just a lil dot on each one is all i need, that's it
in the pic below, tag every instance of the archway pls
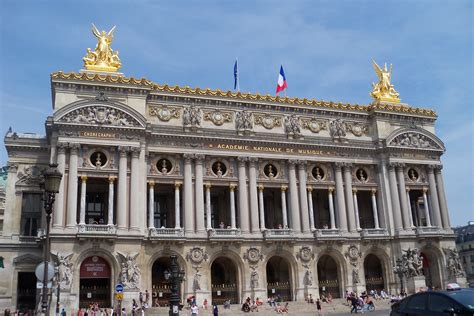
(431, 270)
(328, 277)
(373, 273)
(279, 278)
(160, 287)
(94, 286)
(224, 281)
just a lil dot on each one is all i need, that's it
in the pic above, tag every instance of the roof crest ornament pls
(102, 58)
(384, 90)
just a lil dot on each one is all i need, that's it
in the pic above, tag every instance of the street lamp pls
(175, 277)
(52, 181)
(400, 270)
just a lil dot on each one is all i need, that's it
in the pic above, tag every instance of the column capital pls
(292, 162)
(253, 160)
(301, 163)
(373, 191)
(74, 148)
(12, 167)
(284, 188)
(354, 190)
(177, 184)
(392, 165)
(309, 188)
(199, 158)
(331, 189)
(123, 151)
(151, 183)
(260, 187)
(135, 152)
(84, 178)
(438, 168)
(232, 186)
(425, 190)
(431, 168)
(188, 157)
(112, 179)
(61, 147)
(407, 189)
(208, 185)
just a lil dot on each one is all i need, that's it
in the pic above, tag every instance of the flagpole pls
(238, 79)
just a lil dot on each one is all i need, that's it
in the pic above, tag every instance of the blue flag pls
(236, 76)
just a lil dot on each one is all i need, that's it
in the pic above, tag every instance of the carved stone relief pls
(292, 125)
(243, 121)
(337, 129)
(130, 274)
(192, 116)
(414, 140)
(356, 128)
(99, 115)
(218, 117)
(314, 125)
(164, 112)
(267, 121)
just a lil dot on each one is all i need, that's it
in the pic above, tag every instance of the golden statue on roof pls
(102, 58)
(384, 90)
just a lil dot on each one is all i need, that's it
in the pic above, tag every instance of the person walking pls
(355, 303)
(215, 310)
(194, 310)
(318, 307)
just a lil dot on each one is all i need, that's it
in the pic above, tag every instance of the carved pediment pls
(27, 259)
(416, 140)
(100, 115)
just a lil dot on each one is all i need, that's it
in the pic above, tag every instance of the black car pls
(443, 303)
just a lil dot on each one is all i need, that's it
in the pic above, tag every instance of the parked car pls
(458, 302)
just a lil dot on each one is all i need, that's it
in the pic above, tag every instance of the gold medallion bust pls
(384, 90)
(102, 58)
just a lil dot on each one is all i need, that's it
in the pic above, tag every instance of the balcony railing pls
(278, 233)
(428, 230)
(166, 233)
(96, 229)
(224, 233)
(327, 233)
(374, 232)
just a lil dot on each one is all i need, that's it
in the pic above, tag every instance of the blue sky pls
(326, 49)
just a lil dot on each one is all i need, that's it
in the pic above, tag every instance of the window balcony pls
(428, 231)
(96, 230)
(224, 233)
(165, 233)
(278, 234)
(327, 234)
(374, 233)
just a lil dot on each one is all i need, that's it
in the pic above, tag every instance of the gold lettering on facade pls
(269, 149)
(98, 134)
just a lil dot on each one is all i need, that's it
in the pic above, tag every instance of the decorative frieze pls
(414, 140)
(314, 125)
(268, 121)
(218, 117)
(100, 115)
(164, 112)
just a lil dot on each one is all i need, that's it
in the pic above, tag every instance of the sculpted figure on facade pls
(196, 280)
(413, 262)
(254, 279)
(102, 58)
(414, 140)
(64, 269)
(384, 90)
(99, 115)
(355, 276)
(337, 128)
(453, 264)
(308, 278)
(243, 121)
(192, 116)
(130, 273)
(292, 125)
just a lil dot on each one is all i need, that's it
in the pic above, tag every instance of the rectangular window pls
(30, 213)
(472, 258)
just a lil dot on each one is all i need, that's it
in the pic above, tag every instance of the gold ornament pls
(384, 90)
(103, 58)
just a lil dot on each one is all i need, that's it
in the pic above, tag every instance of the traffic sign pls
(119, 296)
(119, 288)
(39, 285)
(39, 271)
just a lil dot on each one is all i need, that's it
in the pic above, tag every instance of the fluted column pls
(310, 206)
(134, 185)
(72, 187)
(350, 212)
(261, 207)
(305, 223)
(188, 195)
(403, 196)
(427, 209)
(356, 208)
(232, 206)
(442, 197)
(122, 189)
(58, 215)
(151, 204)
(82, 210)
(434, 197)
(177, 205)
(199, 189)
(283, 205)
(208, 206)
(253, 196)
(110, 210)
(294, 203)
(409, 208)
(374, 208)
(331, 208)
(341, 204)
(243, 197)
(397, 215)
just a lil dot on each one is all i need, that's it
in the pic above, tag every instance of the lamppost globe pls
(167, 275)
(52, 179)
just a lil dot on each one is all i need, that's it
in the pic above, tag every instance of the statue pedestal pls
(414, 284)
(462, 281)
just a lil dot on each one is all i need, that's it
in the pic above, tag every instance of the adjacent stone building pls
(465, 246)
(257, 195)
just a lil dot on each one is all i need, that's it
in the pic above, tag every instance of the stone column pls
(409, 208)
(72, 187)
(356, 208)
(434, 197)
(208, 206)
(305, 223)
(261, 207)
(82, 210)
(427, 210)
(283, 205)
(294, 203)
(58, 215)
(134, 185)
(310, 206)
(350, 212)
(374, 208)
(403, 195)
(397, 216)
(122, 189)
(199, 189)
(188, 195)
(243, 197)
(232, 206)
(151, 204)
(442, 198)
(341, 204)
(177, 205)
(110, 214)
(331, 208)
(253, 195)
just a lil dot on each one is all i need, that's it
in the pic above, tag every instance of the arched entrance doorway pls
(373, 273)
(94, 285)
(278, 278)
(328, 277)
(224, 281)
(160, 287)
(431, 270)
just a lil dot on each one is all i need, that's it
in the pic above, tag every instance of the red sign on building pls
(94, 268)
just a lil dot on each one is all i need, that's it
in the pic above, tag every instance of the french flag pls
(281, 85)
